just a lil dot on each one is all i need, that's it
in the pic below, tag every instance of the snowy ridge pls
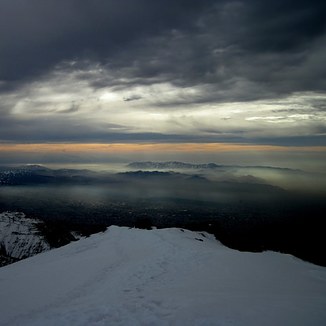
(160, 277)
(20, 236)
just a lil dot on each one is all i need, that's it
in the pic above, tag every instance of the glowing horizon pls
(152, 147)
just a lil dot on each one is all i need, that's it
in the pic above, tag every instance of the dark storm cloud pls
(60, 61)
(233, 46)
(273, 26)
(36, 35)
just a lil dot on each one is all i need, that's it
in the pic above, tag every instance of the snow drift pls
(160, 277)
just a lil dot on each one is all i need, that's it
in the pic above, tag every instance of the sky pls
(76, 74)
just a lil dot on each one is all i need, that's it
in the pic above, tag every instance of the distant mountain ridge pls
(27, 174)
(196, 166)
(172, 165)
(38, 174)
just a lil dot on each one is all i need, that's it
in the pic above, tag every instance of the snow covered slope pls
(20, 236)
(160, 277)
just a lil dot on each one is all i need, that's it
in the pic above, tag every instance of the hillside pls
(20, 237)
(160, 277)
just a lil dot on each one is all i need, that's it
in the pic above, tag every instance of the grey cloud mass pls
(180, 58)
(186, 42)
(36, 35)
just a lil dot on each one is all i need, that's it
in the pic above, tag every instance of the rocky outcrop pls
(20, 237)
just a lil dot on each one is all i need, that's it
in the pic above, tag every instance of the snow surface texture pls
(20, 236)
(160, 277)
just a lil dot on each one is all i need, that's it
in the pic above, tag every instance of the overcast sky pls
(103, 71)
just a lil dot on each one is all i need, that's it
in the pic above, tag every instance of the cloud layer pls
(106, 71)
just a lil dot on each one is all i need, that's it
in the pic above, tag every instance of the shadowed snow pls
(160, 277)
